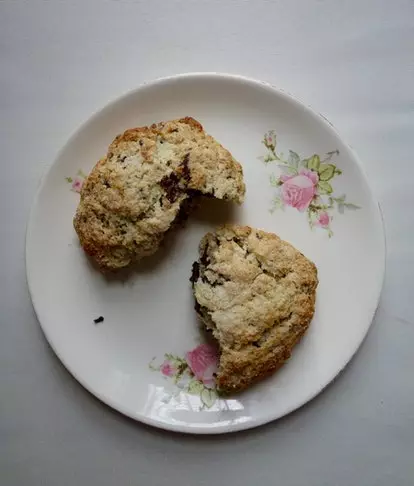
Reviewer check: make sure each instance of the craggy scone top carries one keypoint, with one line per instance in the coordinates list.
(134, 194)
(256, 293)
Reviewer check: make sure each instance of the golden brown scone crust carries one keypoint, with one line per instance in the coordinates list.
(256, 293)
(134, 194)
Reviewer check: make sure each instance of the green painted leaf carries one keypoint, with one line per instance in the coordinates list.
(69, 179)
(277, 203)
(293, 159)
(152, 366)
(314, 162)
(275, 181)
(340, 199)
(179, 363)
(208, 397)
(269, 158)
(326, 172)
(284, 169)
(195, 387)
(333, 152)
(351, 206)
(324, 187)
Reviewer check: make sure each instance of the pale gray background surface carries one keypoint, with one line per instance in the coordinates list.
(351, 60)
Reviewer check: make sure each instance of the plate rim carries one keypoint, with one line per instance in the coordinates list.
(254, 422)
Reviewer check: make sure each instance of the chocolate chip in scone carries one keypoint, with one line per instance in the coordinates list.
(176, 182)
(170, 184)
(185, 169)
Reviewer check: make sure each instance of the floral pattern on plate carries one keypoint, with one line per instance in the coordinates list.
(306, 184)
(77, 181)
(193, 374)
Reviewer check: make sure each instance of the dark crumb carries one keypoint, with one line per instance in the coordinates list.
(195, 272)
(98, 320)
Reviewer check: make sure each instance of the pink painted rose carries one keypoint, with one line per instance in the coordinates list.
(270, 139)
(324, 219)
(299, 190)
(167, 369)
(77, 184)
(203, 363)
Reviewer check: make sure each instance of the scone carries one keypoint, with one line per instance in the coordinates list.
(256, 293)
(137, 192)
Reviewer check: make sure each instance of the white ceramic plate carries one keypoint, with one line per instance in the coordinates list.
(150, 312)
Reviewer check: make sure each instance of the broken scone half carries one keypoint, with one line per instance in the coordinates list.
(134, 195)
(256, 293)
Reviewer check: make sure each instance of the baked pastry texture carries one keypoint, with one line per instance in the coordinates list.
(256, 293)
(134, 195)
